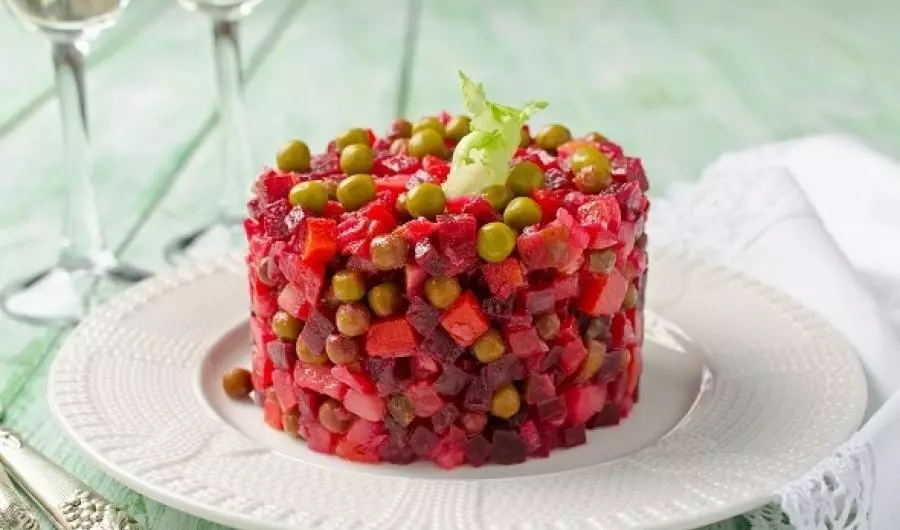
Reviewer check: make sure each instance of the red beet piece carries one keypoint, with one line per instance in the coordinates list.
(612, 365)
(274, 185)
(508, 448)
(573, 353)
(391, 337)
(262, 371)
(272, 413)
(529, 433)
(504, 278)
(456, 238)
(283, 354)
(539, 300)
(538, 388)
(622, 332)
(444, 417)
(315, 332)
(395, 164)
(389, 373)
(602, 294)
(428, 257)
(308, 402)
(397, 452)
(442, 347)
(293, 301)
(365, 406)
(318, 438)
(478, 397)
(425, 399)
(283, 383)
(318, 379)
(565, 287)
(583, 401)
(607, 417)
(423, 367)
(600, 215)
(524, 342)
(273, 216)
(504, 370)
(321, 240)
(572, 436)
(478, 450)
(307, 276)
(355, 380)
(424, 442)
(418, 230)
(452, 380)
(474, 422)
(464, 319)
(545, 248)
(551, 410)
(263, 298)
(423, 316)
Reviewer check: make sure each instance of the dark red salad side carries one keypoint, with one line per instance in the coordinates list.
(393, 320)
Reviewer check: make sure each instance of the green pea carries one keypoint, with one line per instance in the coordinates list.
(496, 242)
(312, 196)
(589, 157)
(352, 136)
(356, 191)
(522, 212)
(524, 178)
(348, 285)
(458, 127)
(498, 195)
(425, 200)
(552, 136)
(285, 326)
(293, 157)
(432, 123)
(426, 142)
(357, 158)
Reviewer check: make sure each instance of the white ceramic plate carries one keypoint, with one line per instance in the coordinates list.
(743, 391)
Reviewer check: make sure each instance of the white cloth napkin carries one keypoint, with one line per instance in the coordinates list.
(817, 218)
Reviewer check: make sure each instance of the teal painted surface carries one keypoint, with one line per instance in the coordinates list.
(676, 82)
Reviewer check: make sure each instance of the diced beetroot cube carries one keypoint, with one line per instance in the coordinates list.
(498, 308)
(635, 368)
(451, 451)
(529, 433)
(419, 177)
(573, 436)
(548, 200)
(478, 450)
(356, 380)
(602, 294)
(355, 453)
(415, 281)
(325, 164)
(504, 370)
(395, 164)
(321, 240)
(425, 399)
(395, 183)
(456, 237)
(538, 388)
(552, 411)
(613, 365)
(368, 435)
(265, 303)
(608, 416)
(318, 438)
(308, 276)
(272, 413)
(601, 213)
(423, 316)
(539, 300)
(504, 278)
(424, 442)
(272, 219)
(353, 229)
(464, 319)
(308, 402)
(389, 373)
(262, 371)
(545, 248)
(524, 342)
(508, 448)
(428, 257)
(293, 301)
(583, 401)
(397, 452)
(622, 333)
(284, 389)
(565, 287)
(437, 167)
(519, 321)
(423, 367)
(365, 406)
(444, 417)
(478, 206)
(629, 197)
(474, 422)
(573, 353)
(478, 397)
(418, 230)
(391, 337)
(318, 379)
(442, 347)
(626, 168)
(452, 380)
(283, 354)
(315, 332)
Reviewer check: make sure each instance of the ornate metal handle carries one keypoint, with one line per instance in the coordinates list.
(67, 501)
(14, 513)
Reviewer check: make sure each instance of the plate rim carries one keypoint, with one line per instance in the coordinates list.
(202, 510)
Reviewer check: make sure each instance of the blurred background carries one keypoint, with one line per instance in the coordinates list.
(676, 83)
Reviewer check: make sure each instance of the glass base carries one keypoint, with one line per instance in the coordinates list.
(60, 296)
(212, 241)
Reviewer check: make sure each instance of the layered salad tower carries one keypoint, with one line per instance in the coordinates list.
(457, 290)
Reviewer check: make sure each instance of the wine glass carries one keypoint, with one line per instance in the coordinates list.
(62, 294)
(223, 233)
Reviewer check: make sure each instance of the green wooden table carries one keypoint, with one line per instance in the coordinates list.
(675, 82)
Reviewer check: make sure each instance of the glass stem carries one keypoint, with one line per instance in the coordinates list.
(235, 145)
(82, 245)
